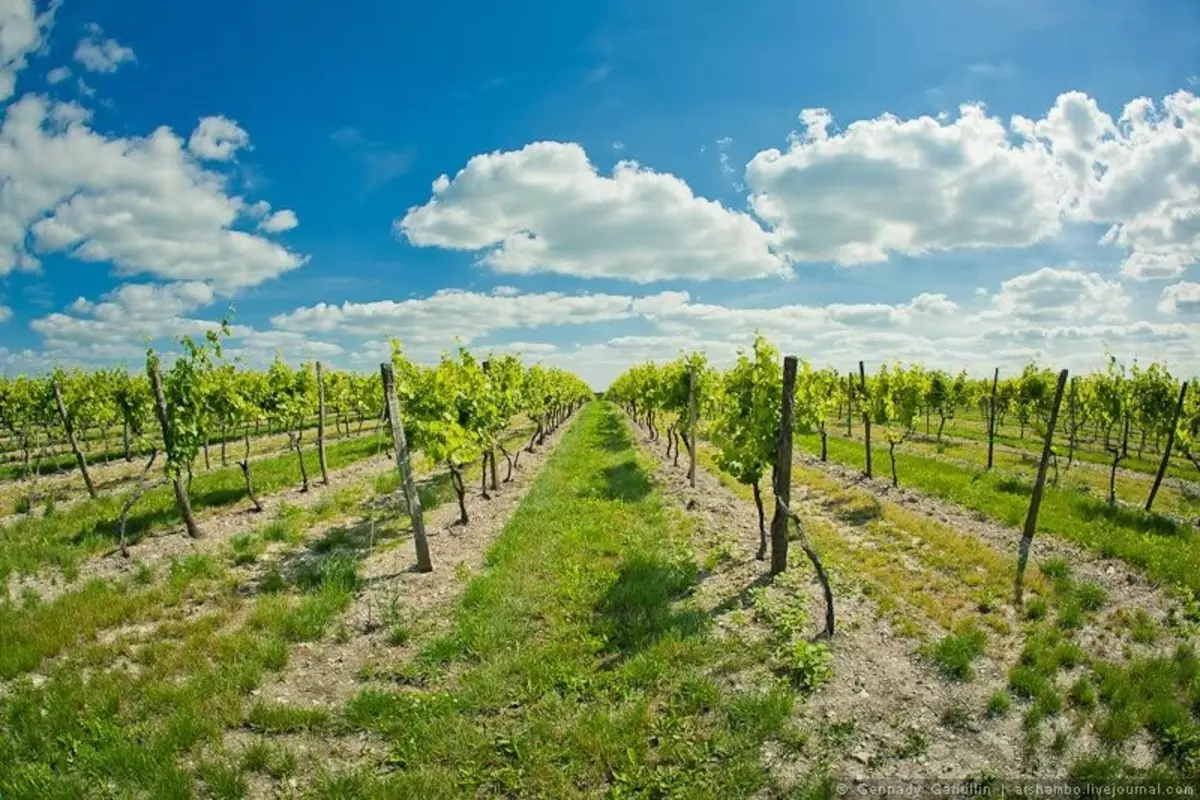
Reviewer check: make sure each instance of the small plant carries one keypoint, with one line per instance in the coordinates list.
(462, 572)
(1142, 628)
(272, 582)
(808, 664)
(914, 744)
(1090, 596)
(1083, 694)
(399, 634)
(999, 704)
(954, 653)
(1070, 615)
(956, 717)
(143, 574)
(245, 548)
(1057, 569)
(1058, 745)
(1036, 608)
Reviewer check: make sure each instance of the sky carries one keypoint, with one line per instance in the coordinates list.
(966, 183)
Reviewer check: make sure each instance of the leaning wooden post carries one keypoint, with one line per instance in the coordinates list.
(424, 564)
(70, 429)
(1166, 456)
(490, 455)
(321, 425)
(692, 427)
(992, 417)
(783, 470)
(866, 409)
(1036, 500)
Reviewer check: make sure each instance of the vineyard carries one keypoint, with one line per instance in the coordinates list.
(475, 578)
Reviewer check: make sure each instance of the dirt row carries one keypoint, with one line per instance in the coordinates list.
(67, 487)
(883, 714)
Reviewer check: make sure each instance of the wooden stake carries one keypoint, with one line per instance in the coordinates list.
(866, 409)
(1166, 456)
(783, 469)
(321, 426)
(1036, 500)
(992, 418)
(424, 564)
(692, 427)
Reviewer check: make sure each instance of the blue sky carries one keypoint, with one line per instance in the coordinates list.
(891, 225)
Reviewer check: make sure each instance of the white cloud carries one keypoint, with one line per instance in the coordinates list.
(121, 325)
(910, 187)
(58, 75)
(544, 208)
(22, 31)
(5, 313)
(142, 204)
(1140, 174)
(1059, 295)
(1182, 297)
(218, 139)
(454, 312)
(279, 222)
(889, 186)
(98, 54)
(618, 145)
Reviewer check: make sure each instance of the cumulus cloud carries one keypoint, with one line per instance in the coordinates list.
(58, 75)
(126, 320)
(454, 312)
(1182, 297)
(22, 31)
(5, 313)
(143, 204)
(98, 54)
(909, 187)
(545, 208)
(218, 139)
(279, 222)
(1061, 295)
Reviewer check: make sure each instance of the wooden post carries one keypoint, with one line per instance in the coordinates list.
(164, 422)
(850, 405)
(866, 409)
(424, 564)
(70, 429)
(1166, 456)
(490, 455)
(992, 418)
(783, 470)
(692, 427)
(320, 426)
(1036, 500)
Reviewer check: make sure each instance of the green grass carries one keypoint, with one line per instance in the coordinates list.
(582, 667)
(129, 728)
(1165, 549)
(90, 525)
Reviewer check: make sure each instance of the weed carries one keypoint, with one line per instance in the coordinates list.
(954, 653)
(808, 664)
(999, 703)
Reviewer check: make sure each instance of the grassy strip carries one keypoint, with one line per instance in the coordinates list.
(582, 667)
(1130, 489)
(1165, 549)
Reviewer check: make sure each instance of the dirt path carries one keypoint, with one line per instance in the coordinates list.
(888, 712)
(219, 525)
(1126, 587)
